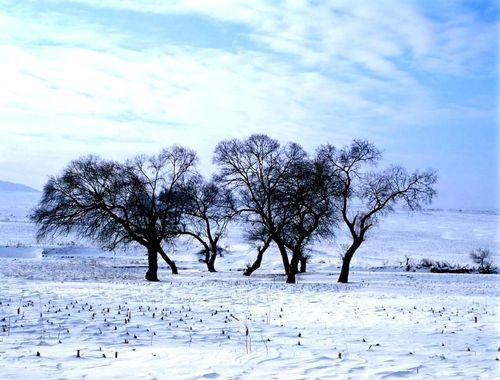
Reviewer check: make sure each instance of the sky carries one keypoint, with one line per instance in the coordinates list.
(120, 77)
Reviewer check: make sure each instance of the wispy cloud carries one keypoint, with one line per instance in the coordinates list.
(139, 75)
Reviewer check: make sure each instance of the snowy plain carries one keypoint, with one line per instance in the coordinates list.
(63, 297)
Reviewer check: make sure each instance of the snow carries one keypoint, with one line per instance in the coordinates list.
(62, 296)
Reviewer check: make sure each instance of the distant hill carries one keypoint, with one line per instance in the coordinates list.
(9, 186)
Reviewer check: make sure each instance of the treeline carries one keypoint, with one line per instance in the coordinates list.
(283, 196)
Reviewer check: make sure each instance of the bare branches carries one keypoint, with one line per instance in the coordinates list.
(280, 193)
(81, 199)
(207, 210)
(114, 203)
(254, 169)
(381, 191)
(376, 191)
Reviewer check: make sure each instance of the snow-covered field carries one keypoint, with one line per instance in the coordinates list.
(60, 298)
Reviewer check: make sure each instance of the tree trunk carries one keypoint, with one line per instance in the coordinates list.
(167, 259)
(284, 256)
(346, 261)
(256, 265)
(152, 273)
(294, 265)
(211, 260)
(207, 255)
(303, 264)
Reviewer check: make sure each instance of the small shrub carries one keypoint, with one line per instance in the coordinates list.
(437, 266)
(482, 257)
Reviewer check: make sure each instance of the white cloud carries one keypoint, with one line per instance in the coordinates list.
(322, 30)
(318, 72)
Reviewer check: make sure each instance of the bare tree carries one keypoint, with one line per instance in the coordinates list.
(308, 196)
(255, 169)
(117, 204)
(376, 192)
(208, 209)
(482, 256)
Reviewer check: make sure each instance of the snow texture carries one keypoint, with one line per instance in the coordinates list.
(67, 308)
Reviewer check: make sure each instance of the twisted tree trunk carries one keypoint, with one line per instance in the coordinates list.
(167, 259)
(284, 255)
(211, 256)
(346, 260)
(152, 273)
(258, 261)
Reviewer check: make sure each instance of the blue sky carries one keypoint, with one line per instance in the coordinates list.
(121, 77)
